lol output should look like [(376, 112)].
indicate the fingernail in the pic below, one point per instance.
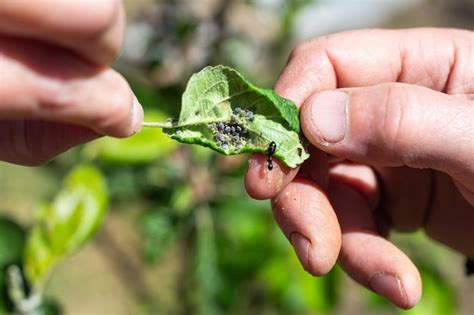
[(328, 116), (137, 116), (388, 286), (302, 246)]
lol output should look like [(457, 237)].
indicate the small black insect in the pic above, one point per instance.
[(469, 266), (271, 150)]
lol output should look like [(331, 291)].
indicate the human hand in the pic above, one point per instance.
[(395, 111), (56, 89)]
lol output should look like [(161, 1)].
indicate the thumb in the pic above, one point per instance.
[(394, 124)]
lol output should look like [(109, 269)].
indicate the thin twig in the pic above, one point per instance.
[(153, 124)]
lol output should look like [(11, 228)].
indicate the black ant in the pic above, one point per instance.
[(271, 150)]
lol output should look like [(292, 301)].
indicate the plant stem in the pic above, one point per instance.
[(153, 124), (24, 304)]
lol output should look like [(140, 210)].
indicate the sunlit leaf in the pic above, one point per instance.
[(66, 223), (223, 111)]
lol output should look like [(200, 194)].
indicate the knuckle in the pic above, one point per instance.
[(400, 124), (25, 146), (309, 46), (394, 119), (301, 50)]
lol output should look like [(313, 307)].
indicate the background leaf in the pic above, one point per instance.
[(12, 242), (65, 224)]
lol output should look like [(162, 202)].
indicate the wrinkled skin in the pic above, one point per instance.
[(408, 132), (390, 116), (56, 87)]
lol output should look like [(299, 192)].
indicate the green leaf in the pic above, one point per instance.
[(220, 96), (12, 240), (66, 223), (12, 243)]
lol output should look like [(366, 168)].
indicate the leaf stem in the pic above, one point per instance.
[(153, 124)]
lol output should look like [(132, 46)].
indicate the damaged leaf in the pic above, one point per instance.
[(223, 111)]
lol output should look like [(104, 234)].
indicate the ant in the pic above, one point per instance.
[(271, 150)]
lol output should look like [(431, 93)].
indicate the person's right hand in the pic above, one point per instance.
[(398, 104), (56, 88)]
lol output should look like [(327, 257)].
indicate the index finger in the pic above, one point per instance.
[(425, 56), (93, 29)]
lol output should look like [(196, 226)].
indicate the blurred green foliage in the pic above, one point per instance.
[(65, 224), (12, 242), (62, 226), (235, 259)]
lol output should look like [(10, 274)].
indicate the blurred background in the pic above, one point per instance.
[(181, 235)]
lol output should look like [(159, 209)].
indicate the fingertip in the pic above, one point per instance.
[(137, 116), (380, 266), (368, 257), (395, 290), (306, 252), (305, 215), (262, 183)]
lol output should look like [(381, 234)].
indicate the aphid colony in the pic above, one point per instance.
[(232, 135)]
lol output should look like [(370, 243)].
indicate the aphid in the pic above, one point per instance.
[(237, 110), (238, 129), (236, 137), (238, 146), (224, 146), (227, 129), (271, 150), (220, 137), (220, 126), (179, 132)]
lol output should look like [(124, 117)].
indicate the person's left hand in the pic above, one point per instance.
[(56, 89)]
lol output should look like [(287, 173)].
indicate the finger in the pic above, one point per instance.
[(407, 196), (394, 124), (262, 183), (450, 217), (366, 256), (54, 85), (440, 59), (359, 177), (33, 142), (92, 28), (306, 217)]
